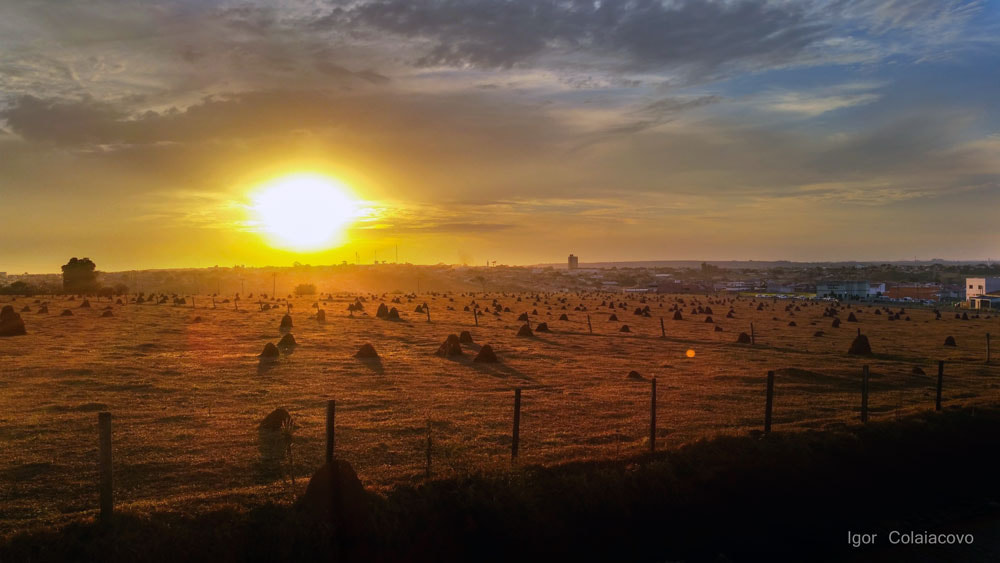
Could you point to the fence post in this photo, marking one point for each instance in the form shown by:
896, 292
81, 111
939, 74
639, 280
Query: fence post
753, 338
589, 326
937, 400
428, 447
475, 316
987, 347
652, 416
769, 402
104, 458
663, 331
864, 393
428, 311
331, 416
517, 424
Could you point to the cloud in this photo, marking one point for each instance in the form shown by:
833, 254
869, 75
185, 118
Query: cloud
811, 105
649, 116
701, 38
643, 33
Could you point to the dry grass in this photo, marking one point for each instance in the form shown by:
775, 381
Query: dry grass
187, 397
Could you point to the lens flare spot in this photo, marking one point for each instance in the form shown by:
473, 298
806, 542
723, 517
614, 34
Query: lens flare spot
689, 353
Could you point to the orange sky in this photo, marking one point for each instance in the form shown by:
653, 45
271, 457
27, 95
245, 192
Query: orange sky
469, 131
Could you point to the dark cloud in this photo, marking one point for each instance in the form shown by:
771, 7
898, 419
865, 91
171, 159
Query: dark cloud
337, 71
80, 122
87, 122
645, 33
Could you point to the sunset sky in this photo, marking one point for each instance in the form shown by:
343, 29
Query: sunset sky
136, 133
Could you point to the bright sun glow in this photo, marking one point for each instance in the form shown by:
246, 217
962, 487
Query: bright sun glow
304, 212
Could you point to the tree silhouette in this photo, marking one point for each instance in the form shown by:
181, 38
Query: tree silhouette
305, 289
79, 276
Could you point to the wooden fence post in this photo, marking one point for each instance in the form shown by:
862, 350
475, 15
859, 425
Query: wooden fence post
864, 393
663, 330
652, 416
475, 316
517, 424
589, 326
104, 458
753, 337
331, 416
987, 347
428, 447
937, 400
428, 311
769, 402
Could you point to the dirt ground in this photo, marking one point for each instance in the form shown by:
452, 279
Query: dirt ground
187, 397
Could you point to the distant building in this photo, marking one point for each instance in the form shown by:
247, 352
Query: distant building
574, 262
974, 287
982, 293
953, 292
917, 292
774, 286
842, 289
876, 289
734, 286
639, 289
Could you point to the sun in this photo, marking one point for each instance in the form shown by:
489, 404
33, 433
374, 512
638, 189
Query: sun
303, 212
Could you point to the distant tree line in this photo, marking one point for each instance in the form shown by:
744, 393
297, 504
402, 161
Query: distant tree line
24, 288
79, 277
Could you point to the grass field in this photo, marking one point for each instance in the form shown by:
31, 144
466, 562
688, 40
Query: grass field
187, 396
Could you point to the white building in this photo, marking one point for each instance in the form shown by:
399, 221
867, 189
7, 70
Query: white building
982, 293
876, 289
974, 287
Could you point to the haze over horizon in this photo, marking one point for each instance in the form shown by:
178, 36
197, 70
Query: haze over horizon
517, 131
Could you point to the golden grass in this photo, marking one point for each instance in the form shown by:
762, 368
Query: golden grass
187, 397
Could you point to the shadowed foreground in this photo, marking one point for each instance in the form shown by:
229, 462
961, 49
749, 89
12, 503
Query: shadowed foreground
793, 495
